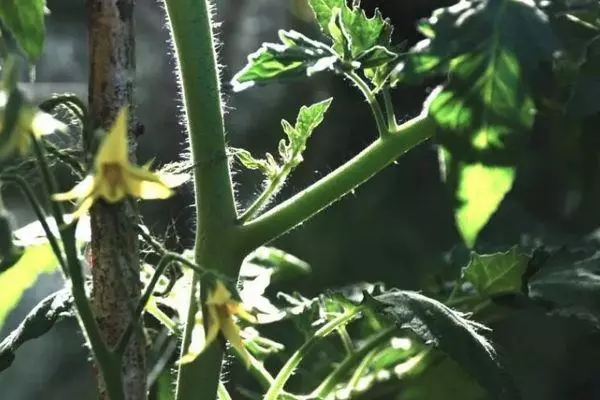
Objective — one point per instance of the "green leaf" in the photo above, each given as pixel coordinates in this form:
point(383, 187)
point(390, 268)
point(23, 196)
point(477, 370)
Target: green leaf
point(570, 279)
point(496, 273)
point(307, 120)
point(297, 56)
point(36, 260)
point(490, 51)
point(363, 32)
point(281, 264)
point(478, 190)
point(439, 326)
point(38, 322)
point(25, 21)
point(376, 56)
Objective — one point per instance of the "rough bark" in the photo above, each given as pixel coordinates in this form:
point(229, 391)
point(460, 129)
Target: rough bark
point(114, 253)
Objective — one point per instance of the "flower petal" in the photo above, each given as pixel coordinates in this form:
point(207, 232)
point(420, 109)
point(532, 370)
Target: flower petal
point(232, 333)
point(197, 344)
point(82, 190)
point(111, 193)
point(42, 123)
point(219, 295)
point(173, 180)
point(239, 310)
point(144, 184)
point(114, 146)
point(214, 325)
point(83, 207)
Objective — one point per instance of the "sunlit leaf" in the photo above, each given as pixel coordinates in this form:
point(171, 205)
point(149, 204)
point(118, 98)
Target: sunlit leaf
point(496, 273)
point(441, 327)
point(25, 21)
point(490, 50)
point(36, 260)
point(361, 32)
point(296, 56)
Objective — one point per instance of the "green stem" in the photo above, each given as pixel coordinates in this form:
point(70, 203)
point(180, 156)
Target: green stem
point(40, 215)
point(107, 363)
point(286, 371)
point(338, 183)
point(382, 128)
point(163, 252)
point(134, 321)
point(273, 186)
point(346, 340)
point(389, 110)
point(216, 244)
point(48, 181)
point(222, 392)
point(350, 362)
point(257, 370)
point(359, 371)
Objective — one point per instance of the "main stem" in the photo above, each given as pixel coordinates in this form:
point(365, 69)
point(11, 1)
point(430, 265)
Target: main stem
point(216, 245)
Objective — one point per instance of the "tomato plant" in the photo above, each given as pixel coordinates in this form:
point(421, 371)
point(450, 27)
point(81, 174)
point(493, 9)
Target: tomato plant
point(500, 71)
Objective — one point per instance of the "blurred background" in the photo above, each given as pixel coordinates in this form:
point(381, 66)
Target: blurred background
point(397, 228)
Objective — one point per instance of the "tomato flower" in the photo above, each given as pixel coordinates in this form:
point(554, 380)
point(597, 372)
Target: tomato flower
point(221, 309)
point(27, 120)
point(114, 177)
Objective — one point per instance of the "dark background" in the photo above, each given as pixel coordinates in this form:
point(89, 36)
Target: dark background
point(396, 228)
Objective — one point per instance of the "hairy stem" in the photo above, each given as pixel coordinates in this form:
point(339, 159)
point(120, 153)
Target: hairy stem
point(216, 246)
point(108, 365)
point(351, 361)
point(382, 127)
point(286, 371)
point(160, 269)
point(389, 110)
point(338, 183)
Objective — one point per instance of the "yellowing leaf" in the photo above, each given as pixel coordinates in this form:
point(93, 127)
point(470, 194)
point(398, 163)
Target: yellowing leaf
point(480, 191)
point(36, 260)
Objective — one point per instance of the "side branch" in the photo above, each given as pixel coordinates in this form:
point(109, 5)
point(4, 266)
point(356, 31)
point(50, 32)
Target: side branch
point(335, 185)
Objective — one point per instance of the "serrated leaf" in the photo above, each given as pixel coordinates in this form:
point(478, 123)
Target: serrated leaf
point(439, 326)
point(376, 56)
point(297, 56)
point(307, 120)
point(490, 50)
point(25, 21)
point(363, 32)
point(36, 260)
point(571, 279)
point(496, 273)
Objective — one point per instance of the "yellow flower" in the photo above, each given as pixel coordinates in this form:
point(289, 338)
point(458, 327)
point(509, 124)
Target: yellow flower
point(221, 309)
point(27, 121)
point(114, 177)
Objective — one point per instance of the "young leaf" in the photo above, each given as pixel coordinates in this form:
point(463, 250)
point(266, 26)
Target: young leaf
point(25, 21)
point(376, 56)
point(36, 260)
point(295, 57)
point(496, 273)
point(363, 32)
point(307, 120)
point(448, 330)
point(490, 49)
